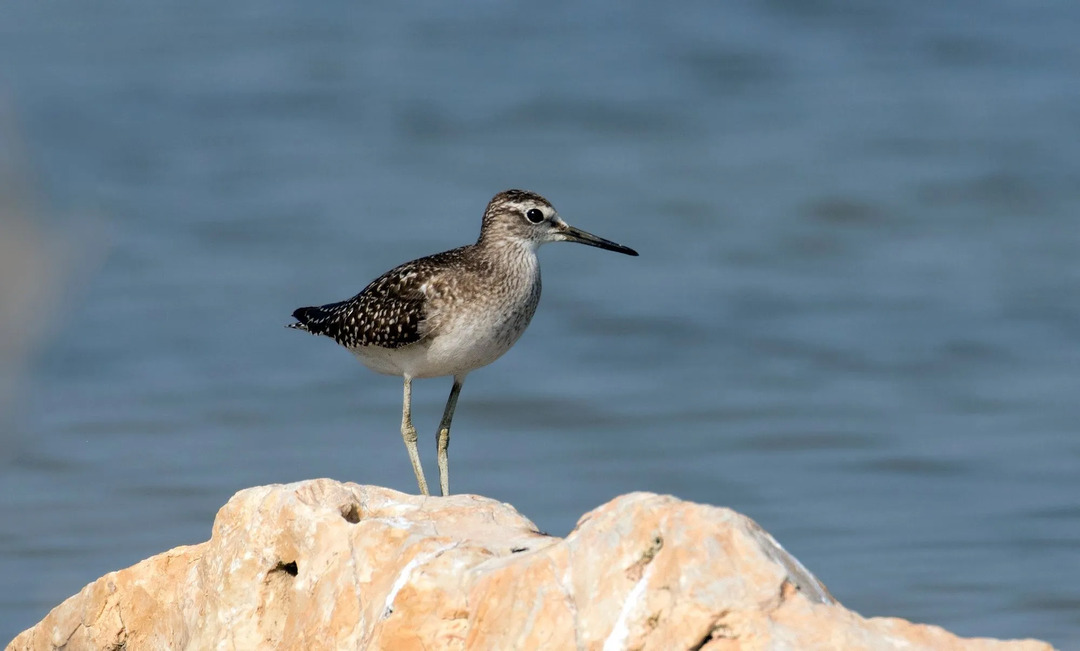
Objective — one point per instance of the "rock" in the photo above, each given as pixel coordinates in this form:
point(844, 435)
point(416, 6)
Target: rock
point(325, 565)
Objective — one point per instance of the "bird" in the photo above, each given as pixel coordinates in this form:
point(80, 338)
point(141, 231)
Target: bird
point(450, 313)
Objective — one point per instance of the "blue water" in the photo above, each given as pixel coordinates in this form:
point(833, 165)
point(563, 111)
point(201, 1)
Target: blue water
point(855, 316)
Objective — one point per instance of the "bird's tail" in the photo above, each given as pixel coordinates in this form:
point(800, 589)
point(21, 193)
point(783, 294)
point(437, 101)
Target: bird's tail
point(308, 319)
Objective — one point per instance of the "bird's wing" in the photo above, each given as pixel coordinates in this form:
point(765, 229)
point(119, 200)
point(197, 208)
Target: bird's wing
point(400, 307)
point(389, 313)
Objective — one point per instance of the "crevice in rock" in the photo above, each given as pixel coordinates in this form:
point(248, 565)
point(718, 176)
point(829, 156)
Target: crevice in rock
point(351, 512)
point(635, 571)
point(518, 550)
point(289, 568)
point(718, 630)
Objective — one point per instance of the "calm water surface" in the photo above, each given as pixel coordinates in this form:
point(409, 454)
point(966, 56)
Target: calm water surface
point(855, 316)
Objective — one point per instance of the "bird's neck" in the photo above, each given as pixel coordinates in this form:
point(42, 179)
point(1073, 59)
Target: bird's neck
point(506, 247)
point(511, 257)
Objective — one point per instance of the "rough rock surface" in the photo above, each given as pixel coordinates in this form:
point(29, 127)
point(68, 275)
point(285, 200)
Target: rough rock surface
point(325, 565)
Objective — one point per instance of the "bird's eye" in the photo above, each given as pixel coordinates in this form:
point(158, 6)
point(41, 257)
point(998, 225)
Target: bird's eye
point(534, 215)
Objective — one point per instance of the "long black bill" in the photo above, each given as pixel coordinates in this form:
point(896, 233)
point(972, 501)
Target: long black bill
point(581, 237)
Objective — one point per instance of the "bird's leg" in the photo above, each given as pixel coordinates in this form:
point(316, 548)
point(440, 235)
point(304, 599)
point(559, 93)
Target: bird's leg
point(408, 432)
point(444, 435)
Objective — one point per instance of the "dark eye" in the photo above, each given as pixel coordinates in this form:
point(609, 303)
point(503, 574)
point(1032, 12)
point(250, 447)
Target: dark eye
point(534, 215)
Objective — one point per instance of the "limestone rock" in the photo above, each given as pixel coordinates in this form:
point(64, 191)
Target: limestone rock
point(325, 565)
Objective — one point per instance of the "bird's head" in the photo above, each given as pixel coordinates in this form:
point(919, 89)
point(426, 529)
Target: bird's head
point(527, 218)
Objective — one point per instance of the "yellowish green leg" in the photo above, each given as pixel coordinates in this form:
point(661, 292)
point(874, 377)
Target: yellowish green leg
point(444, 435)
point(408, 432)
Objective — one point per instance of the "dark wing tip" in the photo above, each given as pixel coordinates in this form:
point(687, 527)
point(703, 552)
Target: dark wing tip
point(304, 317)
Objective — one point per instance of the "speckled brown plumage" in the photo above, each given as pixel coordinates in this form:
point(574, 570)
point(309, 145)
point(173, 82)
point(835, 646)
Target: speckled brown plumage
point(391, 312)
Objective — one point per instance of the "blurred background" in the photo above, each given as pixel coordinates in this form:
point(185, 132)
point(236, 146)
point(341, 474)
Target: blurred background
point(854, 317)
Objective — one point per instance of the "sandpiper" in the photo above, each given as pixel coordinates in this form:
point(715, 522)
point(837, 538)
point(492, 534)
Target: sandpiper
point(451, 312)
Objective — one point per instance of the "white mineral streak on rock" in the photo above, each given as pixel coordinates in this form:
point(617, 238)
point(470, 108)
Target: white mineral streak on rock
point(616, 641)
